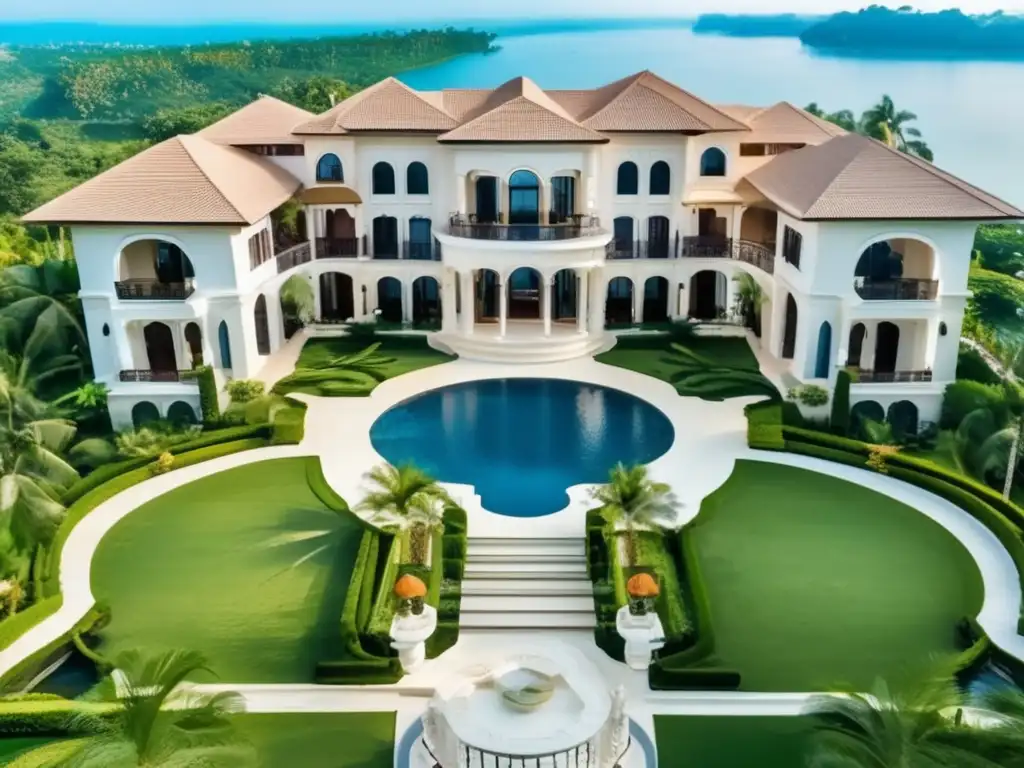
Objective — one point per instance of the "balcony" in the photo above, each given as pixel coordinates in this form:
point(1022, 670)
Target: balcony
point(153, 290)
point(706, 247)
point(340, 247)
point(164, 377)
point(639, 249)
point(418, 250)
point(899, 289)
point(891, 377)
point(572, 228)
point(294, 256)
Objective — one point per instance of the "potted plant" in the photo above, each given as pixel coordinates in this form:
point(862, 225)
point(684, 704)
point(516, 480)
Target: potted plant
point(410, 592)
point(643, 590)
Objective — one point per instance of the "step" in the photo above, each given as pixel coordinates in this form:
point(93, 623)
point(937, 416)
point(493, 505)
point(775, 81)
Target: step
point(566, 547)
point(544, 570)
point(527, 603)
point(473, 556)
point(540, 587)
point(529, 620)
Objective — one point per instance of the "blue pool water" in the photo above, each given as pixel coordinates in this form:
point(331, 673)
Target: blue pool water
point(522, 442)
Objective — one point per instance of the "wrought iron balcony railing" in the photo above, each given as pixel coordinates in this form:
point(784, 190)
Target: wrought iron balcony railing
point(147, 375)
point(153, 290)
point(294, 256)
point(897, 289)
point(891, 377)
point(573, 227)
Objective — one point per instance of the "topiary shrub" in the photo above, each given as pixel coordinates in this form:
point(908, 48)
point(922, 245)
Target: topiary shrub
point(840, 421)
point(208, 402)
point(244, 390)
point(811, 395)
point(163, 464)
point(964, 397)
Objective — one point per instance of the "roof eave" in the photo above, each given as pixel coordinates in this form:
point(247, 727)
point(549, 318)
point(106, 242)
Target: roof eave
point(601, 140)
point(999, 217)
point(136, 223)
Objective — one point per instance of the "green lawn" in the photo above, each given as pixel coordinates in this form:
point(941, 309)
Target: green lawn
point(814, 581)
point(193, 569)
point(11, 747)
point(410, 353)
point(736, 742)
point(323, 740)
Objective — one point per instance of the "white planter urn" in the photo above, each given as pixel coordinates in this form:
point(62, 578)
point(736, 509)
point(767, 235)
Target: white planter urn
point(643, 636)
point(409, 637)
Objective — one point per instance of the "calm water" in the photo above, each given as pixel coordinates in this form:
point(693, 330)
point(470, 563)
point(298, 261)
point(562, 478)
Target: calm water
point(970, 112)
point(522, 442)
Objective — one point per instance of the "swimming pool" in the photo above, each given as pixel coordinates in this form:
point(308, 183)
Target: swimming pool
point(522, 442)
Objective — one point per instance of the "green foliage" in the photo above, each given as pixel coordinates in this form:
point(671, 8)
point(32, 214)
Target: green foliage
point(1000, 247)
point(840, 421)
point(964, 397)
point(244, 390)
point(18, 676)
point(764, 425)
point(699, 375)
point(971, 366)
point(810, 395)
point(996, 295)
point(14, 627)
point(208, 402)
point(153, 439)
point(168, 123)
point(314, 94)
point(290, 424)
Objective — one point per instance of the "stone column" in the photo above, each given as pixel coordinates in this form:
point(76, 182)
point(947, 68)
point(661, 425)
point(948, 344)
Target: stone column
point(730, 293)
point(545, 201)
point(123, 346)
point(582, 290)
point(502, 307)
point(460, 193)
point(548, 286)
point(317, 302)
point(448, 317)
point(407, 301)
point(468, 302)
point(639, 287)
point(357, 301)
point(595, 283)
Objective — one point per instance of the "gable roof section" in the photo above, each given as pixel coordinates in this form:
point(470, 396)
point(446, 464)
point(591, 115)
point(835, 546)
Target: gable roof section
point(853, 177)
point(785, 124)
point(184, 180)
point(519, 111)
point(646, 102)
point(389, 105)
point(265, 121)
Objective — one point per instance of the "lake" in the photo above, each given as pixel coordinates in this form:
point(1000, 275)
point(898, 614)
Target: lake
point(970, 112)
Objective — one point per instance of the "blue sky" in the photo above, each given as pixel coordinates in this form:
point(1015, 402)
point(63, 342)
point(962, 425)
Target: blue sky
point(339, 11)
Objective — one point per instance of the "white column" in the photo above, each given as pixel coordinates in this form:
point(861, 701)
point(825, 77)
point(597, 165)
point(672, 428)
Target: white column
point(548, 286)
point(502, 308)
point(596, 285)
point(468, 302)
point(123, 346)
point(357, 301)
point(545, 201)
point(638, 299)
point(582, 290)
point(460, 193)
point(407, 301)
point(590, 183)
point(314, 283)
point(448, 318)
point(730, 293)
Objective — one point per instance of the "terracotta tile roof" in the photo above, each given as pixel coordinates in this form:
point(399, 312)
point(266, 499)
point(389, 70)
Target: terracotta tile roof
point(184, 180)
point(387, 106)
point(266, 121)
point(853, 177)
point(520, 111)
point(646, 102)
point(785, 124)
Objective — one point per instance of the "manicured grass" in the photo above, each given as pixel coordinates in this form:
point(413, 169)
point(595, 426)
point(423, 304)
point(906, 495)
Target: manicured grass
point(322, 740)
point(193, 569)
point(736, 742)
point(815, 582)
point(12, 747)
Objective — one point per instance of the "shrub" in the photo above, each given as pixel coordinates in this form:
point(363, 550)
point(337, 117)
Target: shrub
point(365, 671)
point(53, 718)
point(290, 424)
point(244, 390)
point(971, 366)
point(840, 421)
point(164, 463)
point(963, 397)
point(810, 395)
point(764, 425)
point(208, 403)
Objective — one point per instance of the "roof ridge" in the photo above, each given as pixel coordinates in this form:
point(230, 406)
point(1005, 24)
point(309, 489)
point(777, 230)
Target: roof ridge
point(199, 167)
point(419, 96)
point(695, 97)
point(633, 80)
point(522, 97)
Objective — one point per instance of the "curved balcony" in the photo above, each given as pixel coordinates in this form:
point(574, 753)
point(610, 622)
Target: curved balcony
point(896, 289)
point(574, 227)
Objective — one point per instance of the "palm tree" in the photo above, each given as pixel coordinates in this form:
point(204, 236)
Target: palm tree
point(843, 118)
point(917, 727)
point(885, 123)
point(632, 497)
point(157, 725)
point(408, 497)
point(749, 300)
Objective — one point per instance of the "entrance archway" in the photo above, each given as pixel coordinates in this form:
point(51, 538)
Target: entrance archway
point(821, 364)
point(564, 298)
point(426, 300)
point(486, 295)
point(656, 300)
point(789, 330)
point(524, 294)
point(144, 413)
point(160, 347)
point(336, 300)
point(181, 413)
point(856, 347)
point(389, 299)
point(708, 291)
point(341, 231)
point(194, 339)
point(865, 410)
point(523, 198)
point(887, 347)
point(487, 199)
point(618, 308)
point(262, 325)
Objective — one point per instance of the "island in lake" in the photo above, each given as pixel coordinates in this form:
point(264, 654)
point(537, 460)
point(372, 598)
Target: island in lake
point(755, 25)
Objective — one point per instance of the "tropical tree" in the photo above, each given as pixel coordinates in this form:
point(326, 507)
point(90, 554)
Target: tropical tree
point(890, 126)
point(749, 300)
point(639, 503)
point(843, 118)
point(408, 497)
point(157, 724)
point(916, 726)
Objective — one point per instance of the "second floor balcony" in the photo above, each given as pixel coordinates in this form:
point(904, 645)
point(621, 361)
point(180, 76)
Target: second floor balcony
point(761, 255)
point(384, 248)
point(559, 228)
point(146, 375)
point(896, 289)
point(154, 289)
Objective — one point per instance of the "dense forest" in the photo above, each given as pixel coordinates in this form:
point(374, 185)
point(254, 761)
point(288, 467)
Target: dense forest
point(755, 25)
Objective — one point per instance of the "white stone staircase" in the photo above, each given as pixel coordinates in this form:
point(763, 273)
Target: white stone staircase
point(523, 583)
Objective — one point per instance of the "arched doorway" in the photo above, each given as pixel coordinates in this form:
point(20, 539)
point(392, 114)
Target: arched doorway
point(623, 230)
point(618, 308)
point(224, 341)
point(856, 346)
point(657, 237)
point(385, 237)
point(389, 299)
point(426, 301)
point(181, 414)
point(194, 339)
point(144, 413)
point(563, 299)
point(487, 199)
point(789, 330)
point(341, 232)
point(904, 419)
point(262, 325)
point(887, 347)
point(656, 300)
point(160, 347)
point(708, 291)
point(821, 364)
point(154, 269)
point(336, 300)
point(524, 294)
point(486, 308)
point(523, 198)
point(865, 410)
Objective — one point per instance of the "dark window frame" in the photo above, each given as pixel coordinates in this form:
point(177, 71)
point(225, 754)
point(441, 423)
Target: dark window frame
point(712, 155)
point(382, 178)
point(322, 174)
point(792, 245)
point(421, 179)
point(628, 185)
point(663, 177)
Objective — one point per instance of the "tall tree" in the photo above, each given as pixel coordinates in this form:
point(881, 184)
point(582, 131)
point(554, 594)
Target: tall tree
point(631, 497)
point(843, 118)
point(891, 126)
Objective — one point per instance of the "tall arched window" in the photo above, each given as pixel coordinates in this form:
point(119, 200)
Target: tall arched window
point(628, 182)
point(225, 345)
point(661, 178)
point(417, 179)
point(712, 162)
point(383, 179)
point(328, 168)
point(262, 325)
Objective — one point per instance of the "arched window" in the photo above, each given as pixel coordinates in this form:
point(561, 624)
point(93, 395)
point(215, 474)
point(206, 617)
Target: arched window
point(416, 179)
point(383, 179)
point(523, 198)
point(824, 357)
point(225, 345)
point(712, 162)
point(328, 168)
point(262, 325)
point(661, 178)
point(629, 179)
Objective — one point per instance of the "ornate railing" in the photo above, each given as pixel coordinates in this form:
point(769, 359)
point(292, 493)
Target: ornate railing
point(583, 755)
point(146, 375)
point(340, 247)
point(760, 255)
point(153, 290)
point(899, 289)
point(706, 247)
point(640, 249)
point(417, 250)
point(294, 256)
point(467, 226)
point(891, 377)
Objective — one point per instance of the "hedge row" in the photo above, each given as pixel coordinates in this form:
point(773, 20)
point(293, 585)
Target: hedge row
point(764, 425)
point(289, 424)
point(54, 718)
point(18, 624)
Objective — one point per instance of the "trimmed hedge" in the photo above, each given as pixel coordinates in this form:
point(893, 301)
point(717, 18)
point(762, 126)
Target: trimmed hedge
point(764, 425)
point(18, 624)
point(840, 422)
point(54, 717)
point(289, 425)
point(209, 403)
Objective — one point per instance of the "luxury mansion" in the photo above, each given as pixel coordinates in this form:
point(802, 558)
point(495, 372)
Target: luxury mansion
point(523, 225)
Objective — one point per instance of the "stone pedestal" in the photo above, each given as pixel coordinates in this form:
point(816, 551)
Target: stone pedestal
point(643, 636)
point(409, 637)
